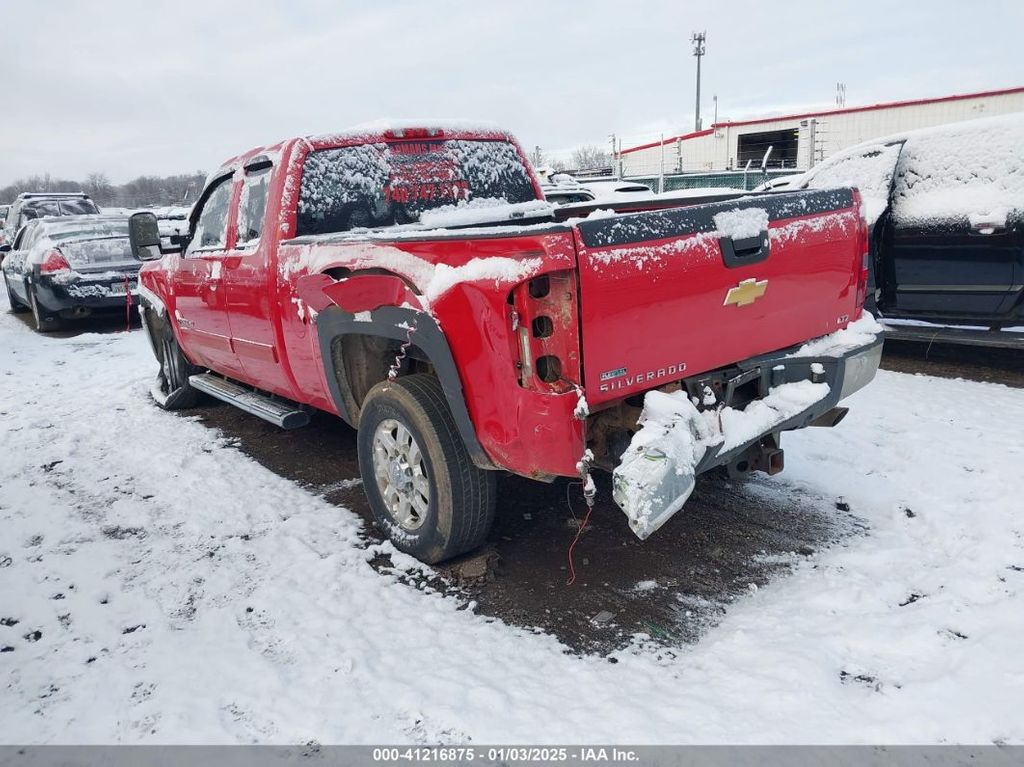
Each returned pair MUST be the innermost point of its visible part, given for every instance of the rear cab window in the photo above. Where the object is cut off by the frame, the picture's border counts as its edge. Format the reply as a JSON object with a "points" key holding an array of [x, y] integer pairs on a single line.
{"points": [[392, 183], [77, 207]]}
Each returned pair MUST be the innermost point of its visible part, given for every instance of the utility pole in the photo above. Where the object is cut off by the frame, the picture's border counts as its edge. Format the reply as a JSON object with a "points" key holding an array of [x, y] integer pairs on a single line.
{"points": [[698, 51], [615, 155]]}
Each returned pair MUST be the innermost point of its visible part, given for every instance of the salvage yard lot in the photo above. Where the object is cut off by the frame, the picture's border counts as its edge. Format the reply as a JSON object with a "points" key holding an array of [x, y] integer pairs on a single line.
{"points": [[206, 578]]}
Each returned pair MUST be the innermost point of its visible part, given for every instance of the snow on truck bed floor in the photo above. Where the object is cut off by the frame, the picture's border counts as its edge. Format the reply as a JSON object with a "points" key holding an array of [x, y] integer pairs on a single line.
{"points": [[158, 585]]}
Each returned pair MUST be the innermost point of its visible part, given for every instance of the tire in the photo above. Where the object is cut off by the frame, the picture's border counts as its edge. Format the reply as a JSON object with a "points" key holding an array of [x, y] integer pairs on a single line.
{"points": [[17, 307], [439, 503], [46, 321], [171, 390]]}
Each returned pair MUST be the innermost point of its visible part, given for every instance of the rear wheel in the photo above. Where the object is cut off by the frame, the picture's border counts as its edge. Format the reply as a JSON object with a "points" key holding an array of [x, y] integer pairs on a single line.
{"points": [[172, 390], [16, 306], [45, 320], [424, 490]]}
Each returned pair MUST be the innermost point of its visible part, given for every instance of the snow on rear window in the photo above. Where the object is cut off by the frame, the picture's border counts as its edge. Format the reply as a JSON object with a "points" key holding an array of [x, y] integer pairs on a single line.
{"points": [[103, 251], [81, 230], [384, 184], [951, 175]]}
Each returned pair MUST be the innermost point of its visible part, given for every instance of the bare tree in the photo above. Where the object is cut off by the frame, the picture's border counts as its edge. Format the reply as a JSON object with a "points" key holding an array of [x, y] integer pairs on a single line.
{"points": [[140, 192], [98, 186], [590, 157]]}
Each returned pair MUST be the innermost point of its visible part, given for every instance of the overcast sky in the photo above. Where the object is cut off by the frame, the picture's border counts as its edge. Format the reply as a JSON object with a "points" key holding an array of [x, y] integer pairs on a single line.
{"points": [[131, 88]]}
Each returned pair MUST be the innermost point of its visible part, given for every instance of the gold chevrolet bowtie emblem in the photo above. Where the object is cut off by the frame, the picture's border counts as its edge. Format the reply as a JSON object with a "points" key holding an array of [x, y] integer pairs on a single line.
{"points": [[746, 293]]}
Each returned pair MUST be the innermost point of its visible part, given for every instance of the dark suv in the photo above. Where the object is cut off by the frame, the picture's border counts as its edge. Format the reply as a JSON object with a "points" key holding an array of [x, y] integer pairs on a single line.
{"points": [[32, 205], [946, 206]]}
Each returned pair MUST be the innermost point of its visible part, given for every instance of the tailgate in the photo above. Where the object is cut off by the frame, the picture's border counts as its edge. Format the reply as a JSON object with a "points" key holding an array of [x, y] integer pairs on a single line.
{"points": [[669, 294]]}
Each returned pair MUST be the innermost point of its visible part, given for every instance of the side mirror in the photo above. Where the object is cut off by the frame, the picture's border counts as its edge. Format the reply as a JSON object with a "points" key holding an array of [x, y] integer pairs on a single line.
{"points": [[144, 235]]}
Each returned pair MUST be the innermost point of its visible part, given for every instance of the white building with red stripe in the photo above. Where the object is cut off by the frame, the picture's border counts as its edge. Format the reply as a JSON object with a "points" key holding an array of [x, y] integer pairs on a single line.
{"points": [[799, 141]]}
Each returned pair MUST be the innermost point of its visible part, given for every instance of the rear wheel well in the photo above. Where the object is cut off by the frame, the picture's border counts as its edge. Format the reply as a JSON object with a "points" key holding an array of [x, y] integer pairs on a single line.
{"points": [[361, 361]]}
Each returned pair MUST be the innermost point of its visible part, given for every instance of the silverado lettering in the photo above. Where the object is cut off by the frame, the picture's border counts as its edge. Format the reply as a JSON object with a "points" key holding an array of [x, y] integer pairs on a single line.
{"points": [[652, 375]]}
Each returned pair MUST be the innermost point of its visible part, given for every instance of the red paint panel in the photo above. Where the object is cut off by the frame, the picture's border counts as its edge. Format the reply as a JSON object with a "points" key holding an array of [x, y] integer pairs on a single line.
{"points": [[364, 293]]}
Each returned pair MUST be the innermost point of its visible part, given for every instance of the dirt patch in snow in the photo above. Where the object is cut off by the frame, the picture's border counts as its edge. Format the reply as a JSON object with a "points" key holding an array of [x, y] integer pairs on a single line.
{"points": [[1004, 366], [732, 538]]}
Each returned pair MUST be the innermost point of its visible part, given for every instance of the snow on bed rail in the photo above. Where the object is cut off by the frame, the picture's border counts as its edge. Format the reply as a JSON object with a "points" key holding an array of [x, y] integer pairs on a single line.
{"points": [[858, 333], [658, 470], [500, 270], [484, 211]]}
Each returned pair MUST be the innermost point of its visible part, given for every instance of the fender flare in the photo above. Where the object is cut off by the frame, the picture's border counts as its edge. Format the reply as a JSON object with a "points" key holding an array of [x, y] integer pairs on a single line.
{"points": [[392, 322]]}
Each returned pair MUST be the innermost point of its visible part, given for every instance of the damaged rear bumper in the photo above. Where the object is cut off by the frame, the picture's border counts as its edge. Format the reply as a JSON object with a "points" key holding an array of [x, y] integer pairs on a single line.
{"points": [[844, 375], [782, 391]]}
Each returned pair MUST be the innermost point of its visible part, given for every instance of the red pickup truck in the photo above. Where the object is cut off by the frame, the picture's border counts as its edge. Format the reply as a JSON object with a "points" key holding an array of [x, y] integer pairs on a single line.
{"points": [[413, 281]]}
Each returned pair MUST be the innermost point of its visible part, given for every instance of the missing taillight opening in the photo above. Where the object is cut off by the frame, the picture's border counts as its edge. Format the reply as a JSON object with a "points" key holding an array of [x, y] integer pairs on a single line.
{"points": [[549, 368], [540, 287], [543, 327]]}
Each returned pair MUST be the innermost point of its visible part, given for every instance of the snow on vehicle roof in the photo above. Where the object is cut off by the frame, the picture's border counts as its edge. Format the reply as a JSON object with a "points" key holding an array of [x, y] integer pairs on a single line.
{"points": [[973, 167], [44, 195], [970, 169], [700, 191], [619, 181], [60, 221], [383, 126], [368, 131]]}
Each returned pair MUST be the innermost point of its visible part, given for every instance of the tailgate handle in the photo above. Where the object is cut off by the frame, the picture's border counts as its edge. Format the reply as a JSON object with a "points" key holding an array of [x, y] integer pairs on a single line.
{"points": [[745, 251]]}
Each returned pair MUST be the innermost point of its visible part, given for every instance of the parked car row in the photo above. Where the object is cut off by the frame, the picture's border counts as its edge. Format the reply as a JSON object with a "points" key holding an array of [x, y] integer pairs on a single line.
{"points": [[70, 266], [415, 282], [62, 258]]}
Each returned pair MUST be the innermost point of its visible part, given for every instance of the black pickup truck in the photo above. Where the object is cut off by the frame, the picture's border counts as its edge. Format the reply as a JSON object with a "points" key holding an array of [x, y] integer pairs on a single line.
{"points": [[946, 207]]}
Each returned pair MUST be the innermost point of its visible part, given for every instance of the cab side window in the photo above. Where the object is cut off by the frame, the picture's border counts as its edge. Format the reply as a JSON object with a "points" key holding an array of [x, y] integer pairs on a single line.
{"points": [[252, 206], [212, 226]]}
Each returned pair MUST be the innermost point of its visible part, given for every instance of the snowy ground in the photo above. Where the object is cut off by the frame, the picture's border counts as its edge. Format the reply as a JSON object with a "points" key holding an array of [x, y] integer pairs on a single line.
{"points": [[157, 585]]}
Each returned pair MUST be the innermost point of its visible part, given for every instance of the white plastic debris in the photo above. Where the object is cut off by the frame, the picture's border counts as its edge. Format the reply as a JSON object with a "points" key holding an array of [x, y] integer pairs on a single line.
{"points": [[658, 470]]}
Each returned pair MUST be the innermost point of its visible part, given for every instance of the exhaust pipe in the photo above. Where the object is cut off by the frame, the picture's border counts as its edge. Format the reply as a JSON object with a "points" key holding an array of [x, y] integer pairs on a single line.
{"points": [[831, 418]]}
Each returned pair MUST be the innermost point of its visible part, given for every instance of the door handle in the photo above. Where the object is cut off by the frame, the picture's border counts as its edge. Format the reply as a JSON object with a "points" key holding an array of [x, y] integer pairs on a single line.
{"points": [[983, 228], [992, 222]]}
